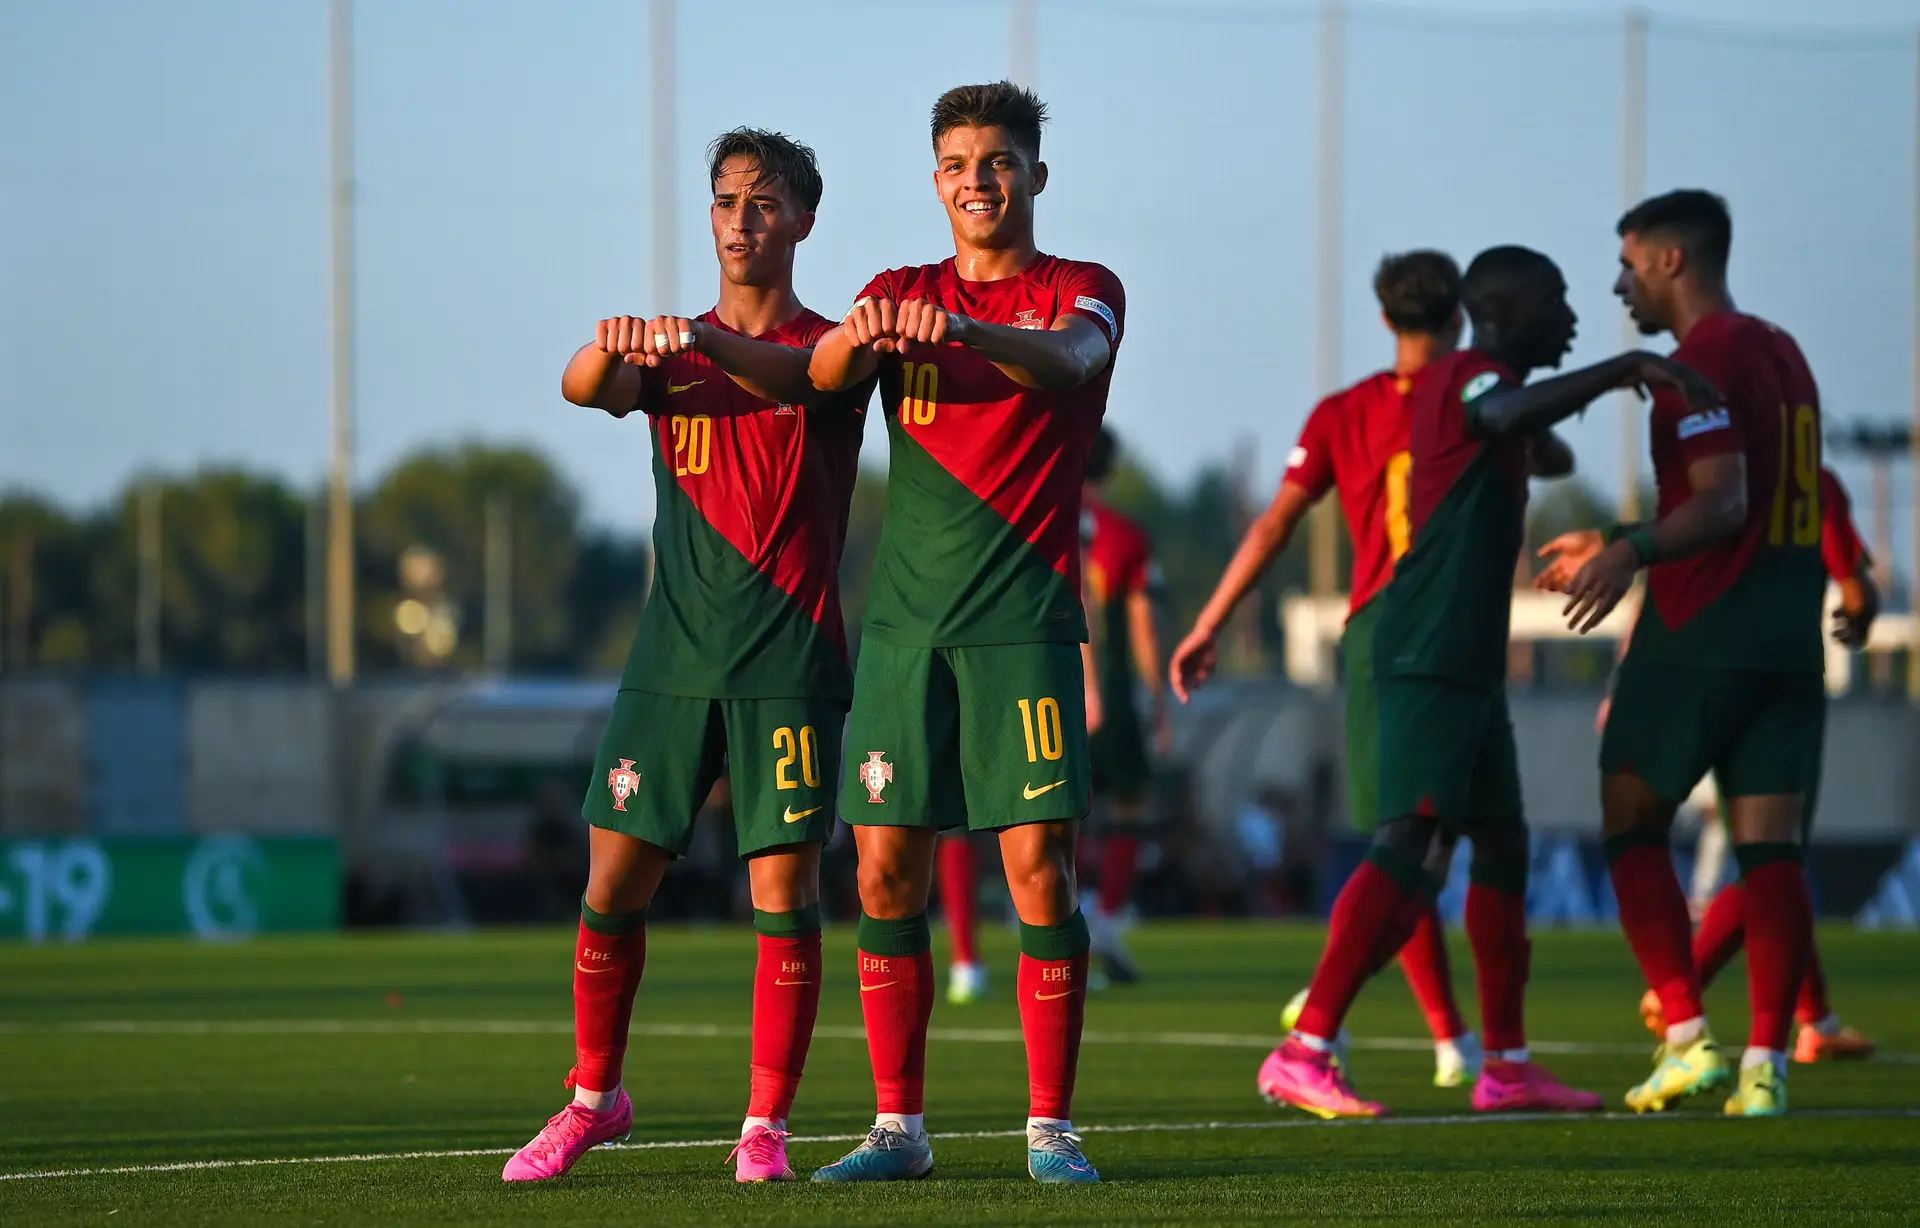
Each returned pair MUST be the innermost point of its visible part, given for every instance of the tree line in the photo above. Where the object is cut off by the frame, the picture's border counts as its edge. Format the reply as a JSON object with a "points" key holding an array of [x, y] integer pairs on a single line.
{"points": [[238, 557]]}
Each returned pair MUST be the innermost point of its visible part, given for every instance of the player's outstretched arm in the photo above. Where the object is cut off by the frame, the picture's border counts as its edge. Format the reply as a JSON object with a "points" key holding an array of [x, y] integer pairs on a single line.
{"points": [[598, 376], [1549, 456], [1067, 355], [768, 370], [1194, 660], [846, 355], [1536, 407]]}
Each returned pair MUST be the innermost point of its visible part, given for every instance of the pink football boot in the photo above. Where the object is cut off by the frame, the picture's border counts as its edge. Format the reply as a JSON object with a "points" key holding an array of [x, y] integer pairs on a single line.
{"points": [[762, 1156], [569, 1134], [1528, 1087], [1298, 1074]]}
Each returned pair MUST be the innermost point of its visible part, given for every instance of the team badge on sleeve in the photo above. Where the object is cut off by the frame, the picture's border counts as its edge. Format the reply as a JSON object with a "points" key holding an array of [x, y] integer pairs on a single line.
{"points": [[1296, 458], [1479, 386], [1700, 424], [623, 782], [876, 774]]}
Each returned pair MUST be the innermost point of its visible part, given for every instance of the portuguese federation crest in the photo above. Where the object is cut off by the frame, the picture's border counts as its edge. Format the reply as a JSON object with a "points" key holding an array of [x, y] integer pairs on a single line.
{"points": [[876, 773], [623, 782]]}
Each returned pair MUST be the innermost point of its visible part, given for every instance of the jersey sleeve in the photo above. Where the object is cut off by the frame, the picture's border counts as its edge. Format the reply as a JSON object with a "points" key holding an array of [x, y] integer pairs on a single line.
{"points": [[1709, 432], [1310, 465], [1138, 577], [1092, 291], [848, 401], [1840, 543], [881, 285], [1475, 379]]}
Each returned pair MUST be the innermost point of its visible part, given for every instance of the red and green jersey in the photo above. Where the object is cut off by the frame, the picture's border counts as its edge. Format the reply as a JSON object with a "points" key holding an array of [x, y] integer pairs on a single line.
{"points": [[1840, 545], [981, 540], [751, 515], [1119, 563], [1752, 602], [1447, 610], [1357, 441]]}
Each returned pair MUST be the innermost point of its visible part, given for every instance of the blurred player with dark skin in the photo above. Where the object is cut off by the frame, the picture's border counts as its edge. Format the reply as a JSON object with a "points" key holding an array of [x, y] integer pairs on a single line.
{"points": [[1822, 1036], [970, 701], [1356, 442], [1447, 760], [740, 664], [1122, 587], [1724, 671]]}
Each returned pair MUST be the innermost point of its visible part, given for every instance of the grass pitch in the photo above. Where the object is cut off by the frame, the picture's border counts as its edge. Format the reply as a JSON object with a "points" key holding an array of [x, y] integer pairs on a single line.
{"points": [[155, 1058]]}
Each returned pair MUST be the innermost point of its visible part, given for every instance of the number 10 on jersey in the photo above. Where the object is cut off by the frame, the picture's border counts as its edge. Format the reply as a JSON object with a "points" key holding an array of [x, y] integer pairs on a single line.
{"points": [[919, 392]]}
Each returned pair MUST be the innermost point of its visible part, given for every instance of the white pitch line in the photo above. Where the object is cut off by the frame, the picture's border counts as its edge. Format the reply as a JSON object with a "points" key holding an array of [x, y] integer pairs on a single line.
{"points": [[723, 1031], [1172, 1127]]}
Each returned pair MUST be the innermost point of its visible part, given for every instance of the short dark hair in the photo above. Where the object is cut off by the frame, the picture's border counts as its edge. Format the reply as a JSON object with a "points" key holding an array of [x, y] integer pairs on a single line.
{"points": [[1419, 290], [1497, 278], [999, 104], [1100, 457], [1697, 220], [778, 156]]}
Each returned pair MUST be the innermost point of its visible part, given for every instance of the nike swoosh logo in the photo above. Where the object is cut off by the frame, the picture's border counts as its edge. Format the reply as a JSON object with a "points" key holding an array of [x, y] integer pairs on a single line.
{"points": [[779, 982], [791, 817], [1048, 997], [1030, 792], [582, 967], [881, 985], [673, 389]]}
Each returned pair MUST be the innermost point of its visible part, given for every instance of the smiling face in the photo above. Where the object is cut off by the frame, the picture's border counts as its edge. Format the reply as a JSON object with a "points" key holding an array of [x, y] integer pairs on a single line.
{"points": [[987, 183], [756, 223]]}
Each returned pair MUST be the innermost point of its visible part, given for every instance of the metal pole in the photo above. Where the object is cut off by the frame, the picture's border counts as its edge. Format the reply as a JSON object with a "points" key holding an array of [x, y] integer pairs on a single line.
{"points": [[340, 597], [499, 552], [1913, 573], [1024, 38], [1324, 544], [661, 48], [147, 599], [316, 582], [1633, 189]]}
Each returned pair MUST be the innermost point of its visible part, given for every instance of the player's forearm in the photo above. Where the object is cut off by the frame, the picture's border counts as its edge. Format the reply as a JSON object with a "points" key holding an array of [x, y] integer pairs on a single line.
{"points": [[1143, 622], [599, 380], [1549, 456], [769, 371], [1039, 358], [1265, 539], [1704, 520], [838, 363], [1538, 407]]}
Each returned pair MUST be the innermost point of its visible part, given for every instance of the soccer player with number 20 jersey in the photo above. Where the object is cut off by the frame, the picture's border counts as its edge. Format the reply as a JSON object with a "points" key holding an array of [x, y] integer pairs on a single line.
{"points": [[969, 703]]}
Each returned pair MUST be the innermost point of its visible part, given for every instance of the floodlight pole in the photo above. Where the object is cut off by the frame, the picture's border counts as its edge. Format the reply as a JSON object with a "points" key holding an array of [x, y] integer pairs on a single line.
{"points": [[662, 44], [340, 596], [1324, 540], [147, 600], [1633, 189], [1913, 573], [1024, 42]]}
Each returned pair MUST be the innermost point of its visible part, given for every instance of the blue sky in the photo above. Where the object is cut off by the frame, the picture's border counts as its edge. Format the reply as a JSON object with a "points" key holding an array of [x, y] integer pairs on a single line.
{"points": [[163, 257]]}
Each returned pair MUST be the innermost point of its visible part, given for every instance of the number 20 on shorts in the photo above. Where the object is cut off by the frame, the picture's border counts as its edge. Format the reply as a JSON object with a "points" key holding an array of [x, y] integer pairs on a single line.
{"points": [[798, 748], [1041, 721]]}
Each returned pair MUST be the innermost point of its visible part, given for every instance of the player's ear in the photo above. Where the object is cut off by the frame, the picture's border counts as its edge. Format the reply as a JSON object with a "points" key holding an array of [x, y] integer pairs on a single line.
{"points": [[805, 227], [1039, 178]]}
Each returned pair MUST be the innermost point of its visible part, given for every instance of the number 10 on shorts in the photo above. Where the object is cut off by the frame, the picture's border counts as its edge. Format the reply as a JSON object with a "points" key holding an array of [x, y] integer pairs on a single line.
{"points": [[1041, 722]]}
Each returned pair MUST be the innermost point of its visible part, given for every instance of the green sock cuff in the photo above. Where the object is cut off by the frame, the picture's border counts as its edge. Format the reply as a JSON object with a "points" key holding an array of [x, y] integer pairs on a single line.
{"points": [[612, 923], [1752, 856], [1068, 940], [901, 936], [1402, 869], [1500, 873], [1618, 844], [796, 924]]}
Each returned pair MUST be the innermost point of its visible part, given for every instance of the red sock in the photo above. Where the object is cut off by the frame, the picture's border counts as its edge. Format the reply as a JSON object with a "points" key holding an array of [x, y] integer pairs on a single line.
{"points": [[606, 975], [896, 998], [1424, 960], [1502, 962], [1723, 931], [1779, 936], [1117, 863], [786, 999], [1373, 918], [1653, 912], [959, 894], [1813, 1007], [1053, 1010]]}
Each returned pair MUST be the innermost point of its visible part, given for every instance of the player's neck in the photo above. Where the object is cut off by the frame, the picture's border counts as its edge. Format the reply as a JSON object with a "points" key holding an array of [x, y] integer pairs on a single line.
{"points": [[1696, 304], [754, 310], [993, 263], [1414, 352]]}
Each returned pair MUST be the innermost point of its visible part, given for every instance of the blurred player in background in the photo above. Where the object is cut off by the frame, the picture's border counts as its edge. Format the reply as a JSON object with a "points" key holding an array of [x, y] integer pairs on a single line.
{"points": [[1123, 592], [740, 664], [1724, 671], [970, 696], [1822, 1036], [1448, 764], [1356, 442]]}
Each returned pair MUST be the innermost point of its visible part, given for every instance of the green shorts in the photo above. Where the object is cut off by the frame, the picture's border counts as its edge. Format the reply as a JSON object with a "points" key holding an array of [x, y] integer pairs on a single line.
{"points": [[1758, 733], [1118, 751], [661, 754], [1363, 720], [1446, 752], [986, 737]]}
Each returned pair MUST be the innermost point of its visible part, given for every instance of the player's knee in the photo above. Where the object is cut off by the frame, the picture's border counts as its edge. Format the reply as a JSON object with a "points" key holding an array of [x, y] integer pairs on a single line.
{"points": [[1628, 804], [1414, 849], [891, 887], [1502, 855], [1040, 874]]}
